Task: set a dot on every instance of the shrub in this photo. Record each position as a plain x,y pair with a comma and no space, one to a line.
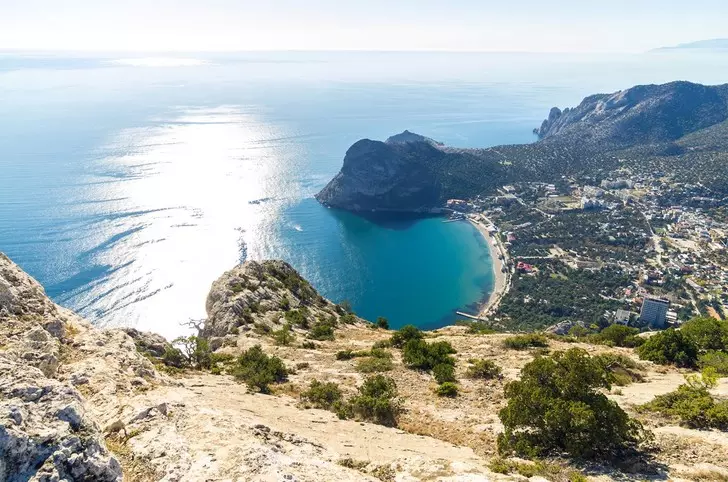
258,370
321,331
284,336
322,395
419,354
619,335
522,342
377,401
383,323
444,372
285,303
173,357
348,319
374,365
308,345
556,407
447,389
405,334
382,344
550,471
669,347
621,369
477,327
718,360
693,404
483,369
379,353
344,355
707,333
191,351
296,318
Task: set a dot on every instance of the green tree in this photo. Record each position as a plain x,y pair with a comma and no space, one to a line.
192,351
707,333
324,395
383,323
620,335
670,347
259,370
284,336
447,389
556,407
421,355
377,401
405,334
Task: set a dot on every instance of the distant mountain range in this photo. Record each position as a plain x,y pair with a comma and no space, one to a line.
680,128
712,44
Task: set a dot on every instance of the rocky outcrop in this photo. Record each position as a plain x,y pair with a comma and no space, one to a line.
641,115
379,176
45,433
413,173
261,293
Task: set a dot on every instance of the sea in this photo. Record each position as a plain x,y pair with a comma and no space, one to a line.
129,182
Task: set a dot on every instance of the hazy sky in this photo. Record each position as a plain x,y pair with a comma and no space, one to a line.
222,25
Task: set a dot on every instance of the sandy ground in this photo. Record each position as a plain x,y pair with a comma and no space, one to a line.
501,280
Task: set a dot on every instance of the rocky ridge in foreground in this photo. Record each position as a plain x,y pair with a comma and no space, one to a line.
79,403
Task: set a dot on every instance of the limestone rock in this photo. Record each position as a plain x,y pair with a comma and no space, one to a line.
259,292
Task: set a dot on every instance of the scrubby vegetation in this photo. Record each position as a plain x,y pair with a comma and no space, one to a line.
259,370
556,407
377,401
707,333
284,336
405,334
323,330
717,360
322,395
375,364
483,369
374,360
188,352
546,470
619,335
421,355
447,389
693,404
523,342
621,369
670,347
382,323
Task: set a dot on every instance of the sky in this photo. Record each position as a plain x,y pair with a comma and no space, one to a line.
460,25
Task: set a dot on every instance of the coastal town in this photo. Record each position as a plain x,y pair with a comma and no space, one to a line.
639,249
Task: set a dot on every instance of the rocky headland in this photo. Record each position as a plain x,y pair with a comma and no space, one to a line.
649,124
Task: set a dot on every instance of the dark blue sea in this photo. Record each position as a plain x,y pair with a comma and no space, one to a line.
129,183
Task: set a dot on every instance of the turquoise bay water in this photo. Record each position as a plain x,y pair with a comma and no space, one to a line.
127,187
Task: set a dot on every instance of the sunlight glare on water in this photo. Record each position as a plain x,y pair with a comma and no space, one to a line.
183,192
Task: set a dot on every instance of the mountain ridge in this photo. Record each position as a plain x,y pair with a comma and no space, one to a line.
643,122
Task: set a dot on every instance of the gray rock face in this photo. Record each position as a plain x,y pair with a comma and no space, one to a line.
260,293
386,176
643,114
145,341
45,434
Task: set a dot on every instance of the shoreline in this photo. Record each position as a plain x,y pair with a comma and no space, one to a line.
501,280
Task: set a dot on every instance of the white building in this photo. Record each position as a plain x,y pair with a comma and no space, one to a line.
654,311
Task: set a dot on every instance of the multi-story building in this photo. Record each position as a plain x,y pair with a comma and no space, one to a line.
654,311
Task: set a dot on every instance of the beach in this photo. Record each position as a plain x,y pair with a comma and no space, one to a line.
501,279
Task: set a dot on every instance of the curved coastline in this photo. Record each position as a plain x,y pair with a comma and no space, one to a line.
501,272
